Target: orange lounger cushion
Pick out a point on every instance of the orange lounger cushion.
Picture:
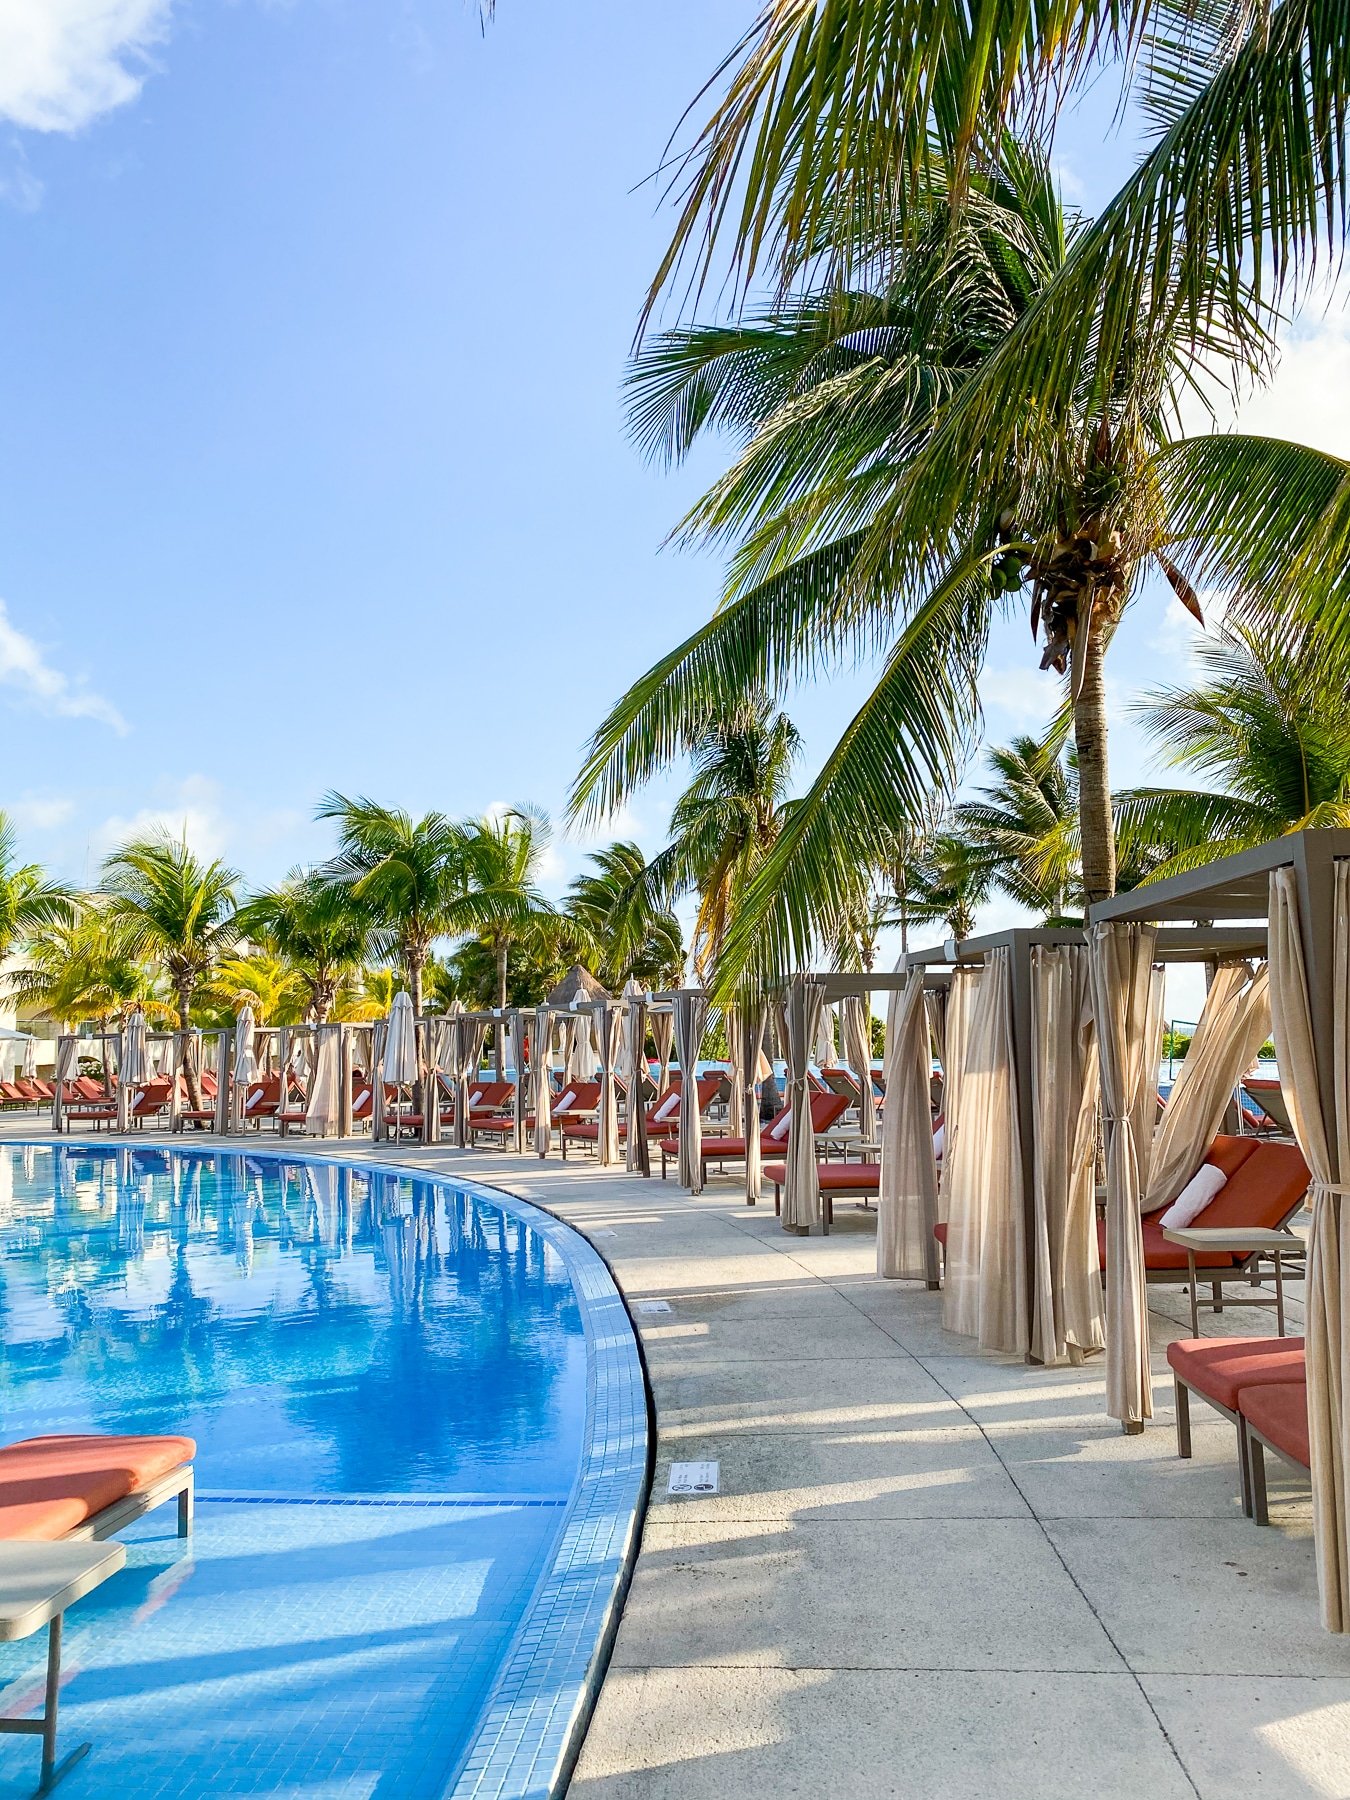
(834, 1177)
(1279, 1411)
(1219, 1368)
(50, 1485)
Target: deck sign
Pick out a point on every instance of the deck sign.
(653, 1306)
(693, 1478)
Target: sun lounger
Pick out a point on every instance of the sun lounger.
(1266, 1186)
(89, 1486)
(1269, 1096)
(1274, 1417)
(856, 1180)
(662, 1116)
(11, 1095)
(825, 1111)
(1217, 1369)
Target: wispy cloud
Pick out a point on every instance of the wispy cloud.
(1021, 699)
(63, 62)
(25, 669)
(36, 812)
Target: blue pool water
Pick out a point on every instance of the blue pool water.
(396, 1583)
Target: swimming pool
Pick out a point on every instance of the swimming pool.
(422, 1448)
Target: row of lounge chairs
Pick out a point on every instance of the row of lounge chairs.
(1261, 1385)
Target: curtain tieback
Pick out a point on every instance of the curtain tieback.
(1329, 1187)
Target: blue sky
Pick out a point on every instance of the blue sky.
(312, 320)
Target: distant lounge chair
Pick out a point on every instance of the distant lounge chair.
(825, 1111)
(1269, 1096)
(662, 1115)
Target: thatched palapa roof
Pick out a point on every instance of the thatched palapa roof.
(577, 988)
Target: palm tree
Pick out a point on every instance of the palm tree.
(28, 900)
(859, 529)
(276, 990)
(1268, 728)
(947, 885)
(178, 913)
(407, 875)
(1022, 826)
(316, 928)
(366, 994)
(502, 903)
(726, 822)
(615, 926)
(82, 969)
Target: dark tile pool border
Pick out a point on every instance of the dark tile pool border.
(535, 1716)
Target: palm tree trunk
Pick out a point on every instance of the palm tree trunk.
(415, 958)
(1096, 818)
(503, 948)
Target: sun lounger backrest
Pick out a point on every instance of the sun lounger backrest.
(585, 1097)
(708, 1088)
(826, 1108)
(1264, 1191)
(776, 1131)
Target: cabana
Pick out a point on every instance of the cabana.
(1019, 1049)
(1300, 885)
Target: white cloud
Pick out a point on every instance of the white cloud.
(63, 62)
(34, 813)
(24, 668)
(1025, 699)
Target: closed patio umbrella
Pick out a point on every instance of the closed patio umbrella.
(637, 1157)
(400, 1043)
(132, 1064)
(245, 1064)
(28, 1066)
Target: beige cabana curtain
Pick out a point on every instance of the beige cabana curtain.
(965, 985)
(321, 1113)
(541, 1043)
(1124, 1006)
(663, 1037)
(986, 1291)
(691, 1020)
(1232, 1027)
(907, 1202)
(1067, 1315)
(855, 1031)
(609, 1030)
(637, 1157)
(521, 1097)
(750, 1023)
(822, 1038)
(801, 1191)
(1325, 1143)
(731, 1023)
(468, 1049)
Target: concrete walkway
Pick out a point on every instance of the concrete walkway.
(927, 1572)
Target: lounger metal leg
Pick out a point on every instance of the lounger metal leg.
(1190, 1270)
(1183, 1394)
(1216, 1288)
(186, 1507)
(45, 1726)
(1244, 1467)
(1256, 1463)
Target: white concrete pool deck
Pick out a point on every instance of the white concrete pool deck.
(928, 1571)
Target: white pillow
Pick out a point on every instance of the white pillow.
(781, 1126)
(939, 1142)
(1194, 1197)
(669, 1105)
(563, 1101)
